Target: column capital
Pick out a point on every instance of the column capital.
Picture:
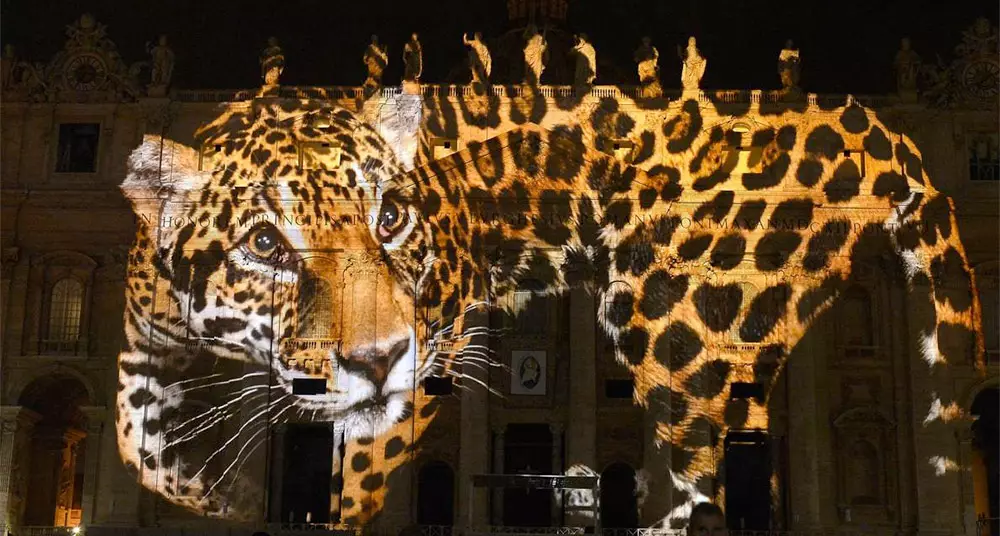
(13, 417)
(556, 427)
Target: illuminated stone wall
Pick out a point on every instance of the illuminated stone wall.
(806, 266)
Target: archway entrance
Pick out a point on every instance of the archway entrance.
(619, 509)
(748, 484)
(54, 464)
(986, 458)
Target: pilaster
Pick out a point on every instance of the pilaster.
(16, 426)
(474, 453)
(581, 431)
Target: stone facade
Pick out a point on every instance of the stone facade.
(841, 426)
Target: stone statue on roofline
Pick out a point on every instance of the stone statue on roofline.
(586, 62)
(413, 65)
(693, 66)
(413, 61)
(907, 65)
(272, 62)
(536, 51)
(647, 62)
(789, 65)
(479, 58)
(162, 59)
(376, 60)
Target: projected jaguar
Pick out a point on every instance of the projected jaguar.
(269, 285)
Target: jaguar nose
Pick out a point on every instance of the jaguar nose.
(375, 362)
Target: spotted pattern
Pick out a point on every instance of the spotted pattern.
(728, 246)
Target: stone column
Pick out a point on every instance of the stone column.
(14, 307)
(92, 455)
(557, 469)
(498, 468)
(804, 419)
(581, 438)
(336, 483)
(16, 425)
(937, 478)
(897, 351)
(276, 488)
(67, 476)
(475, 440)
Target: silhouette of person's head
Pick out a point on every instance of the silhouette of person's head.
(706, 519)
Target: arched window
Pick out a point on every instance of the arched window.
(65, 307)
(741, 327)
(436, 494)
(315, 308)
(619, 509)
(856, 319)
(530, 309)
(617, 303)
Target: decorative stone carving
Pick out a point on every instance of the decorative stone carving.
(479, 58)
(88, 68)
(272, 62)
(376, 60)
(586, 61)
(789, 63)
(10, 257)
(647, 60)
(413, 60)
(693, 66)
(971, 80)
(536, 54)
(163, 67)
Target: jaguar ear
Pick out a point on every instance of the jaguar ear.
(399, 119)
(158, 168)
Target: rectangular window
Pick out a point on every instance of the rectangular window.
(320, 155)
(619, 388)
(984, 157)
(210, 155)
(309, 386)
(437, 386)
(78, 147)
(858, 157)
(444, 147)
(744, 390)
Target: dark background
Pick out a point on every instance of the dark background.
(846, 45)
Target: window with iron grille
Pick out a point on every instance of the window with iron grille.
(78, 147)
(65, 307)
(984, 157)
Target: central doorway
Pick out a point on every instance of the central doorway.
(308, 474)
(527, 451)
(748, 480)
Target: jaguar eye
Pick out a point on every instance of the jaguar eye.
(391, 219)
(265, 242)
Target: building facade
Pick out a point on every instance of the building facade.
(136, 229)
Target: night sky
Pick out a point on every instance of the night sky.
(846, 46)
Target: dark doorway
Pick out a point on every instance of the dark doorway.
(748, 480)
(55, 456)
(527, 450)
(305, 493)
(618, 505)
(986, 462)
(436, 495)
